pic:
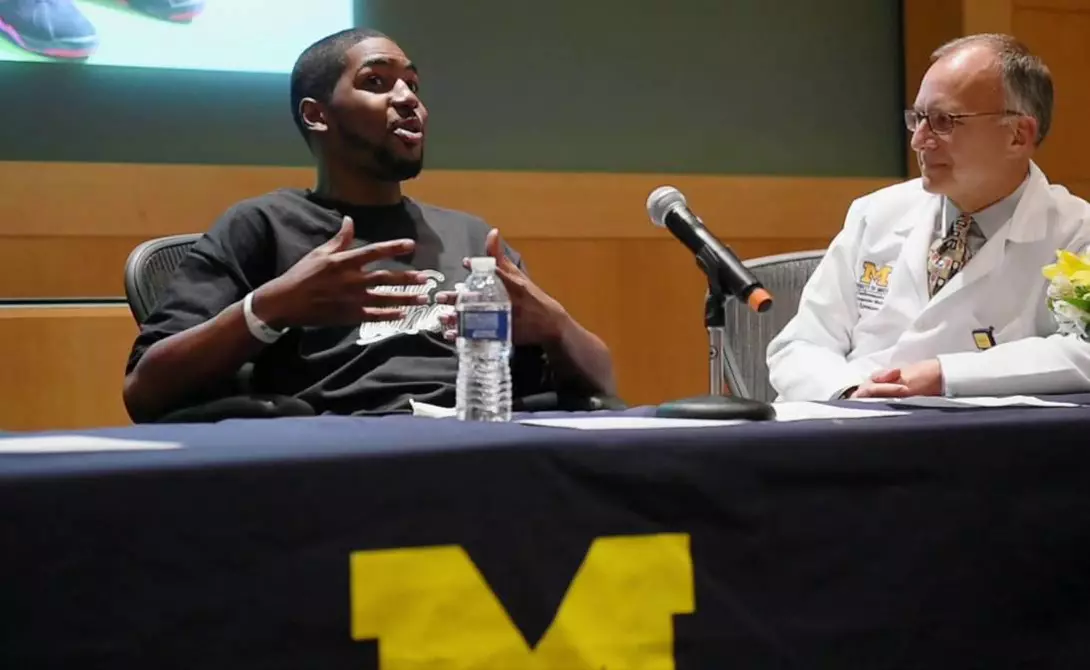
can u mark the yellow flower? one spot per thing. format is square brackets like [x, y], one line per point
[1075, 268]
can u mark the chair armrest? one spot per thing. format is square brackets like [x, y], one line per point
[240, 407]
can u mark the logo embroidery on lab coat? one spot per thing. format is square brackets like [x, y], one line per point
[873, 285]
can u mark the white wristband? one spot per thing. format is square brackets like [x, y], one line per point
[258, 328]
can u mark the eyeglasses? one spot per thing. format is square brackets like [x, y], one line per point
[942, 123]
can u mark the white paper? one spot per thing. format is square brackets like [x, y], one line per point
[785, 411]
[936, 402]
[810, 411]
[1013, 401]
[431, 411]
[67, 444]
[625, 423]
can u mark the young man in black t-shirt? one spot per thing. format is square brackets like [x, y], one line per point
[341, 295]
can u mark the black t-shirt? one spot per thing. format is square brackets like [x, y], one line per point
[371, 368]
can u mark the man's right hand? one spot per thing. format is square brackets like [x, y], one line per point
[884, 384]
[330, 285]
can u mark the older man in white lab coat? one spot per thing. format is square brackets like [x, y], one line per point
[934, 285]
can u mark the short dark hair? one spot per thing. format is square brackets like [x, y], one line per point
[1027, 81]
[319, 67]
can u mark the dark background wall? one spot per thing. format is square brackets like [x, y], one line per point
[792, 87]
[784, 87]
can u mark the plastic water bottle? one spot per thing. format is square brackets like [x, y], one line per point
[484, 345]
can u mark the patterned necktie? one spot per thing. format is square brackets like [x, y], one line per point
[949, 255]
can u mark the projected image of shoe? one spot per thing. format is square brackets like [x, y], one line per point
[53, 28]
[179, 11]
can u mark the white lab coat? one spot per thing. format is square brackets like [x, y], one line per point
[850, 326]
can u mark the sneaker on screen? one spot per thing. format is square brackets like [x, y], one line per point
[53, 28]
[179, 11]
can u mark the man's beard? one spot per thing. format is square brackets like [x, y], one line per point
[384, 165]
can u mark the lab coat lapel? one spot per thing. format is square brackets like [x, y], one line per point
[1026, 225]
[908, 294]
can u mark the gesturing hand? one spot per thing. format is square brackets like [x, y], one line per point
[536, 317]
[330, 285]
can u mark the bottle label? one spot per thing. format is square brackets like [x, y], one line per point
[483, 325]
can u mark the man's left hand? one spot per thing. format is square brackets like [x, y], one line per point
[536, 317]
[919, 379]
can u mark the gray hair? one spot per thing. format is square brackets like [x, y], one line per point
[1027, 81]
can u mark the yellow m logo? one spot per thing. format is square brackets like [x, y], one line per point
[872, 274]
[430, 607]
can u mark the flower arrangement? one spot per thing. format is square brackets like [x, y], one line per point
[1069, 292]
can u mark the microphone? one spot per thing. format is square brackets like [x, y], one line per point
[668, 209]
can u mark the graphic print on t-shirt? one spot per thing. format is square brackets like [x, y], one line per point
[422, 318]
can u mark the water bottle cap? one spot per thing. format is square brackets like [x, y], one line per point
[482, 264]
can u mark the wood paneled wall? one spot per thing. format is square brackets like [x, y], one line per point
[926, 25]
[1056, 30]
[67, 228]
[1059, 31]
[63, 366]
[585, 237]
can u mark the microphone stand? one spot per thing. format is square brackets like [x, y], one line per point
[720, 355]
[722, 366]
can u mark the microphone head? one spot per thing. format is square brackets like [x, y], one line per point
[661, 201]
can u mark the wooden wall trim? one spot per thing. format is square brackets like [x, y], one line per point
[104, 310]
[123, 200]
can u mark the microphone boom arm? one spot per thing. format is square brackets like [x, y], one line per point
[722, 365]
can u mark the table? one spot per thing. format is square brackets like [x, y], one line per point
[932, 540]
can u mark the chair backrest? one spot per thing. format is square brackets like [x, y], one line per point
[784, 275]
[149, 269]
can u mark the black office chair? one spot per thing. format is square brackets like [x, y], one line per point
[149, 270]
[749, 334]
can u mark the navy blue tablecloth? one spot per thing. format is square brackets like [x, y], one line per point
[933, 540]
